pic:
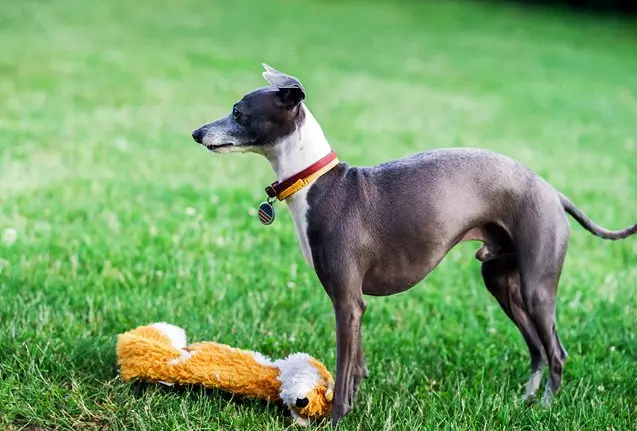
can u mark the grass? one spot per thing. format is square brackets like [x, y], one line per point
[111, 217]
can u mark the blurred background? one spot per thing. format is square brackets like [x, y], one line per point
[112, 217]
[612, 6]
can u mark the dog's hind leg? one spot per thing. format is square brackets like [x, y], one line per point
[502, 279]
[541, 242]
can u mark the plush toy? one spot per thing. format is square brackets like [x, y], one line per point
[158, 353]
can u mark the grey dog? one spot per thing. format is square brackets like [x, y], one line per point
[380, 230]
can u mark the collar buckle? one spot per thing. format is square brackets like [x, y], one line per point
[270, 190]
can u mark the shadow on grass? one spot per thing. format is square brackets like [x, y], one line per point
[195, 393]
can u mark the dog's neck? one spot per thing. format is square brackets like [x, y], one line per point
[303, 147]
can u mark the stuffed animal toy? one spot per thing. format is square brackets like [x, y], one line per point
[158, 353]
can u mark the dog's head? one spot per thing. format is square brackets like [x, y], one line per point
[260, 119]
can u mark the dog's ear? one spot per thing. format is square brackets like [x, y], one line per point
[291, 91]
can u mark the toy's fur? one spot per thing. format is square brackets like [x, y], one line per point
[159, 353]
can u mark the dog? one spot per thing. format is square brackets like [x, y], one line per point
[380, 230]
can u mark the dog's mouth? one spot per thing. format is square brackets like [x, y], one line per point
[218, 147]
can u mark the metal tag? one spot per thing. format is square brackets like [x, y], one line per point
[266, 213]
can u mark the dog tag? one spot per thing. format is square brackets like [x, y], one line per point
[266, 213]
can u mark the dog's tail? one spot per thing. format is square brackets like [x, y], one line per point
[591, 226]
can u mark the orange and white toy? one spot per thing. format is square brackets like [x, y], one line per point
[158, 353]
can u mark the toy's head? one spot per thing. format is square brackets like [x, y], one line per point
[307, 388]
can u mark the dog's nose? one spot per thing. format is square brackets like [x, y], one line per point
[197, 135]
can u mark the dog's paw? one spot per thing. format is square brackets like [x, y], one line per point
[529, 400]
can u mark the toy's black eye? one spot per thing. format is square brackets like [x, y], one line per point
[302, 402]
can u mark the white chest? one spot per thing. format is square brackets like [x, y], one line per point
[299, 207]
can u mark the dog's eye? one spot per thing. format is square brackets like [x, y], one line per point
[301, 402]
[237, 115]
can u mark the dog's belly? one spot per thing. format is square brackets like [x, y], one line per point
[400, 271]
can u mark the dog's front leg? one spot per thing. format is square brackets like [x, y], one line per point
[349, 313]
[361, 372]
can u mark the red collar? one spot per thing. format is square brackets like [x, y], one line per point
[286, 188]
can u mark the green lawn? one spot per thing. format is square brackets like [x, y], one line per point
[121, 220]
